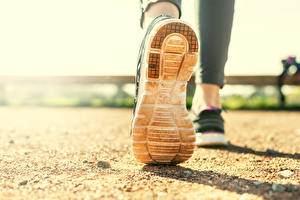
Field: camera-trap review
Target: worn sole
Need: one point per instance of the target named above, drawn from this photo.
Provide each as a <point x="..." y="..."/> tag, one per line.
<point x="162" y="132"/>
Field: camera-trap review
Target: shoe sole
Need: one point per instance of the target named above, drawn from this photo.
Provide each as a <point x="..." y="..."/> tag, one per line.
<point x="210" y="139"/>
<point x="162" y="132"/>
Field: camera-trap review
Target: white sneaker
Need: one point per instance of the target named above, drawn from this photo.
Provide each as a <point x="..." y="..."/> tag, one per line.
<point x="162" y="131"/>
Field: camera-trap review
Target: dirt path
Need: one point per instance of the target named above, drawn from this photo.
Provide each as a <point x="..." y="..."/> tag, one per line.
<point x="67" y="153"/>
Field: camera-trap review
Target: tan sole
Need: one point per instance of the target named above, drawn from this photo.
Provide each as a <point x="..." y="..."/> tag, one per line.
<point x="161" y="130"/>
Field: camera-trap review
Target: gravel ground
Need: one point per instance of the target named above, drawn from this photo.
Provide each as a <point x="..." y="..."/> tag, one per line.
<point x="70" y="153"/>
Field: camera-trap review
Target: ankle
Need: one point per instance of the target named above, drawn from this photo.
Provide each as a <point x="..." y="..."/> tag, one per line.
<point x="160" y="8"/>
<point x="206" y="95"/>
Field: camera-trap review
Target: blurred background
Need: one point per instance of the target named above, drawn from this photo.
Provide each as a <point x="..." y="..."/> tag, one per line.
<point x="61" y="38"/>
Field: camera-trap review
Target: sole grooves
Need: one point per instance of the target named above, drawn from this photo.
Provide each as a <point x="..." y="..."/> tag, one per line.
<point x="162" y="133"/>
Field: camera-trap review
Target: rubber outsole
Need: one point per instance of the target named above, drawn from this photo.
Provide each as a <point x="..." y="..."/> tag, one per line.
<point x="162" y="132"/>
<point x="210" y="139"/>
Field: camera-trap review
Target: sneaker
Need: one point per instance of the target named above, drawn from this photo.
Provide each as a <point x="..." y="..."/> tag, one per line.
<point x="209" y="126"/>
<point x="162" y="132"/>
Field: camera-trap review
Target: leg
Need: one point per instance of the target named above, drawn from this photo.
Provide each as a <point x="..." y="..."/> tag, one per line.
<point x="206" y="95"/>
<point x="214" y="21"/>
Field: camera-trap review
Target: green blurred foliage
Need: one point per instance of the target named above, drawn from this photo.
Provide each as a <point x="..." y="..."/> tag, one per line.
<point x="256" y="102"/>
<point x="93" y="96"/>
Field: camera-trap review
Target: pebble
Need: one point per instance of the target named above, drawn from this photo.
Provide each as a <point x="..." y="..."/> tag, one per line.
<point x="235" y="180"/>
<point x="285" y="174"/>
<point x="271" y="151"/>
<point x="271" y="138"/>
<point x="103" y="164"/>
<point x="45" y="176"/>
<point x="23" y="183"/>
<point x="258" y="183"/>
<point x="187" y="172"/>
<point x="278" y="188"/>
<point x="11" y="142"/>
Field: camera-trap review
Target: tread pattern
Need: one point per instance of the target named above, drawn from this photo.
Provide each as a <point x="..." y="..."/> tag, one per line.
<point x="153" y="65"/>
<point x="176" y="27"/>
<point x="162" y="132"/>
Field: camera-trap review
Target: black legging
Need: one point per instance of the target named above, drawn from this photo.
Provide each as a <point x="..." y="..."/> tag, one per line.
<point x="214" y="22"/>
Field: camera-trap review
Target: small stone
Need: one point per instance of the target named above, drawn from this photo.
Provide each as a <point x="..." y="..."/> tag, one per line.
<point x="23" y="183"/>
<point x="235" y="180"/>
<point x="271" y="151"/>
<point x="188" y="172"/>
<point x="11" y="142"/>
<point x="45" y="176"/>
<point x="203" y="159"/>
<point x="103" y="164"/>
<point x="85" y="161"/>
<point x="278" y="188"/>
<point x="258" y="183"/>
<point x="255" y="160"/>
<point x="285" y="174"/>
<point x="271" y="138"/>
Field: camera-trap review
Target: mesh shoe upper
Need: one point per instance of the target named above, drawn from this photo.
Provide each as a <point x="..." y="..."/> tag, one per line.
<point x="141" y="52"/>
<point x="209" y="121"/>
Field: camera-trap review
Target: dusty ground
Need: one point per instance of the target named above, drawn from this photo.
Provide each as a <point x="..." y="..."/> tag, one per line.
<point x="65" y="153"/>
